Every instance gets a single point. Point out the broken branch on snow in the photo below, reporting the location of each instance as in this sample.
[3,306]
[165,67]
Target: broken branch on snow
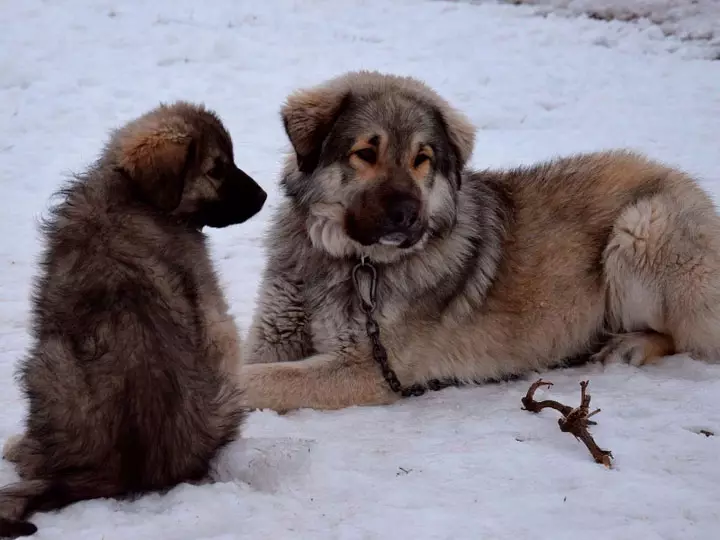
[574,420]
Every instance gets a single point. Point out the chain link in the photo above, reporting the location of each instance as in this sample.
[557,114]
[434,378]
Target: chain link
[373,331]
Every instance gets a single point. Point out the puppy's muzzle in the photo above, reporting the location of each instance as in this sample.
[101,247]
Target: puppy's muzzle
[238,199]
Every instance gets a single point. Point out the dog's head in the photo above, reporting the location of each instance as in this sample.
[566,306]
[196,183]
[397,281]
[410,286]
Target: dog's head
[179,160]
[377,162]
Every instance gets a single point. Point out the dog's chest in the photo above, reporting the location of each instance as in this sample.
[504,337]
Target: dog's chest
[334,315]
[336,318]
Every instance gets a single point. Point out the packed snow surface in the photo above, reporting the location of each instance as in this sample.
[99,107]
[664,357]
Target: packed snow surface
[457,464]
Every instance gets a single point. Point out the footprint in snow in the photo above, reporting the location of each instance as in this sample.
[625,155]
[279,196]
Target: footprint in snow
[265,464]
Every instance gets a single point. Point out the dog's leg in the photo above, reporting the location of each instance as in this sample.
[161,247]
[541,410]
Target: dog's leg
[636,348]
[222,338]
[224,345]
[25,453]
[280,330]
[662,265]
[12,449]
[324,381]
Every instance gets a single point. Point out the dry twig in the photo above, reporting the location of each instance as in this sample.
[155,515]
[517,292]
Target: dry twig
[574,420]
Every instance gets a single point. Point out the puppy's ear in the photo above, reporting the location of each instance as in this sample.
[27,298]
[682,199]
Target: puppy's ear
[308,117]
[461,137]
[158,162]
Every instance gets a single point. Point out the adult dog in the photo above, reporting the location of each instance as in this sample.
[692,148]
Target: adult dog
[131,376]
[478,275]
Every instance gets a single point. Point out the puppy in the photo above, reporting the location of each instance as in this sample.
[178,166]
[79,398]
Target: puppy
[130,376]
[479,275]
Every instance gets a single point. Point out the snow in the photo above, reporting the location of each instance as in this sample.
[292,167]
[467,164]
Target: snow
[688,20]
[457,464]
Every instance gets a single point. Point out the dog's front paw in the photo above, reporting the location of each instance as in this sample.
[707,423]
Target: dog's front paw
[636,349]
[11,448]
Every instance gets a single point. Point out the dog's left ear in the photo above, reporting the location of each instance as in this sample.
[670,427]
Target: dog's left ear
[308,117]
[461,137]
[158,161]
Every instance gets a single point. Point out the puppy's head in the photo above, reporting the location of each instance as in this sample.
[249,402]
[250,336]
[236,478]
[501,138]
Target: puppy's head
[179,160]
[378,161]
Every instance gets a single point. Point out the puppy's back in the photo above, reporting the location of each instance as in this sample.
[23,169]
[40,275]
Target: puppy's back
[123,395]
[115,371]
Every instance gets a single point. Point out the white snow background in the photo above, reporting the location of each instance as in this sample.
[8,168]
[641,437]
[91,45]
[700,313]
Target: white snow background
[688,20]
[457,464]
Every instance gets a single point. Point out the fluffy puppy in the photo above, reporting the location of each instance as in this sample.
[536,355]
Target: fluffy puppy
[130,376]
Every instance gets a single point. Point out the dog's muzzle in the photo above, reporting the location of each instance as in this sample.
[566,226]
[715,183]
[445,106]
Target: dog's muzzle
[239,199]
[402,226]
[391,219]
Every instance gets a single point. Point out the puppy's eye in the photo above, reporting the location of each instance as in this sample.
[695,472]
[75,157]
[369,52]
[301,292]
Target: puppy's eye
[218,170]
[367,154]
[420,159]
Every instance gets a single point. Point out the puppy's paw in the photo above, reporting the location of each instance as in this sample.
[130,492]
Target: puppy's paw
[636,349]
[12,447]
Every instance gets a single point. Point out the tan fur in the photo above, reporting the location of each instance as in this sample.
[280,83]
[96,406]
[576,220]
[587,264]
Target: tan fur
[307,113]
[381,166]
[157,147]
[11,448]
[131,377]
[308,109]
[607,253]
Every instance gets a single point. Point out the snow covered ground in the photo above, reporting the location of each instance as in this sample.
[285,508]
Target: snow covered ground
[457,464]
[688,20]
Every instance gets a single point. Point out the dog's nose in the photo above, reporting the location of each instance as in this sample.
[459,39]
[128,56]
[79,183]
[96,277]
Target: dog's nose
[404,213]
[262,197]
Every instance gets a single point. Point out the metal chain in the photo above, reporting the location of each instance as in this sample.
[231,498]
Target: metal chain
[373,331]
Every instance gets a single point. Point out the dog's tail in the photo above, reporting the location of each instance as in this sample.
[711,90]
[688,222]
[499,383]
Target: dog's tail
[19,500]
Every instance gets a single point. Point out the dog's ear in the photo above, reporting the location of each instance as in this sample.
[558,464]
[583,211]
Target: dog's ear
[461,134]
[308,117]
[461,137]
[158,161]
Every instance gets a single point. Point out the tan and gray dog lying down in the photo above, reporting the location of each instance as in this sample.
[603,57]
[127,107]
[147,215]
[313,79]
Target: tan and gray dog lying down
[479,274]
[130,378]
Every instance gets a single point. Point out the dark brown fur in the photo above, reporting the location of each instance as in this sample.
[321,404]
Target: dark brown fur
[130,379]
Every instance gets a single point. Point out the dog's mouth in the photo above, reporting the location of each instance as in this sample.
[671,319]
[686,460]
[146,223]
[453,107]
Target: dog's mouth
[402,240]
[395,239]
[225,213]
[237,202]
[399,239]
[395,220]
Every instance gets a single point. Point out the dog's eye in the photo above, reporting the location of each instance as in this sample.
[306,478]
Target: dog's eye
[218,170]
[367,154]
[420,159]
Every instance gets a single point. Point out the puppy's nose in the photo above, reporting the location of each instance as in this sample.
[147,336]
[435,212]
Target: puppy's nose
[262,196]
[404,212]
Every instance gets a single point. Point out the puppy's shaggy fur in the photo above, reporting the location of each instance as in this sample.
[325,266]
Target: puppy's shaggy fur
[481,275]
[130,379]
